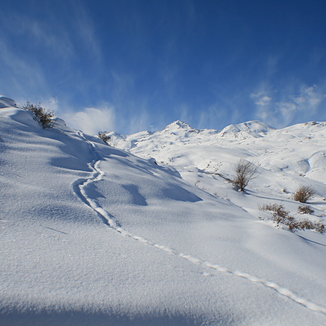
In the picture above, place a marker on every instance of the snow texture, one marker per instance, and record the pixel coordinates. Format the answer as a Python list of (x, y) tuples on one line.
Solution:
[(6, 102), (94, 235)]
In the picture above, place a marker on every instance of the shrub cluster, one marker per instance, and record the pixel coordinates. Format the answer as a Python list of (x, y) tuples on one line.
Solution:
[(281, 216), (103, 135), (42, 116), (305, 210)]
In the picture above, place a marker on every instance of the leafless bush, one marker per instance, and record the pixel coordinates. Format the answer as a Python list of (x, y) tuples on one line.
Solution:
[(245, 171), (307, 225), (43, 117), (270, 207), (320, 227), (281, 216), (103, 135), (305, 210), (303, 194)]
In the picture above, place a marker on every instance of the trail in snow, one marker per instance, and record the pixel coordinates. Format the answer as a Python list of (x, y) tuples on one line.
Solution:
[(79, 189), (97, 174)]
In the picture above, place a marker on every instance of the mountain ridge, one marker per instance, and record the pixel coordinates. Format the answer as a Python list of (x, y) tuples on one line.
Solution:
[(251, 128)]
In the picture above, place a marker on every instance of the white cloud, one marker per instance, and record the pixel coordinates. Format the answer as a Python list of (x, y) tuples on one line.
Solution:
[(291, 105), (261, 98), (264, 100), (305, 104), (92, 120)]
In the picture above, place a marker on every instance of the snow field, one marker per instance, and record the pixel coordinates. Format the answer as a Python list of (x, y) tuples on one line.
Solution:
[(94, 234)]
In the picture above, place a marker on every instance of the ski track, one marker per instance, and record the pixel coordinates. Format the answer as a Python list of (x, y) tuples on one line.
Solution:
[(97, 175)]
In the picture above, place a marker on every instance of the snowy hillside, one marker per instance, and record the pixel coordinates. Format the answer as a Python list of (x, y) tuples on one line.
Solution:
[(287, 158), (94, 235)]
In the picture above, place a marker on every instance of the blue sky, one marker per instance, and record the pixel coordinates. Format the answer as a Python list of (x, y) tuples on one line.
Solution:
[(139, 65)]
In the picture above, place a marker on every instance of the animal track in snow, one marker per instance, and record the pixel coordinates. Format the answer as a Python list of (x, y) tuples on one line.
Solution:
[(79, 188)]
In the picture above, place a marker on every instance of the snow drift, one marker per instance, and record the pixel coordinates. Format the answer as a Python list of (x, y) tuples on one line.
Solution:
[(6, 102)]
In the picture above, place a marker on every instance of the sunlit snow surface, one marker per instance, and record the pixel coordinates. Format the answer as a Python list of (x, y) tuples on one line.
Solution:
[(93, 235)]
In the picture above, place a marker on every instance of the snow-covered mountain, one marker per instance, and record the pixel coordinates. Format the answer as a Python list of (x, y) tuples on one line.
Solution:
[(298, 151), (101, 235)]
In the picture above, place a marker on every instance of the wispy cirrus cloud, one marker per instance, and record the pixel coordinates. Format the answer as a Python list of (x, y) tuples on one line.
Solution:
[(40, 53), (261, 99), (18, 76), (263, 103), (304, 105), (84, 28), (284, 107), (44, 35)]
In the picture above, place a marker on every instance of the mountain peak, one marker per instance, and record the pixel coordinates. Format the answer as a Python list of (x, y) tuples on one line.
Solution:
[(178, 124), (255, 128)]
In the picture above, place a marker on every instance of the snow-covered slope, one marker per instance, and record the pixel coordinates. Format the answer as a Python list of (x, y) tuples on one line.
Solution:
[(6, 102), (93, 235), (287, 158)]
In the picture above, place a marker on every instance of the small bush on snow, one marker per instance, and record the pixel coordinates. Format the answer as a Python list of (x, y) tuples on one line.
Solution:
[(103, 135), (43, 117), (303, 194), (279, 215), (305, 210), (245, 171)]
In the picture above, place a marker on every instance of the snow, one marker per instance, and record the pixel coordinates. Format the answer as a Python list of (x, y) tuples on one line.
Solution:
[(95, 235), (6, 102)]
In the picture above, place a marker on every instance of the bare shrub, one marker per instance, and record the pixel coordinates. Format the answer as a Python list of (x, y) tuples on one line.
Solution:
[(306, 225), (320, 227), (245, 171), (305, 210), (303, 194), (103, 135), (281, 216), (271, 207), (42, 116)]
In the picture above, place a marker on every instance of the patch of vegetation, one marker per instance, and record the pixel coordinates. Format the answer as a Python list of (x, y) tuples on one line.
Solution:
[(42, 116), (305, 210), (303, 194), (281, 216), (245, 171), (103, 135)]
